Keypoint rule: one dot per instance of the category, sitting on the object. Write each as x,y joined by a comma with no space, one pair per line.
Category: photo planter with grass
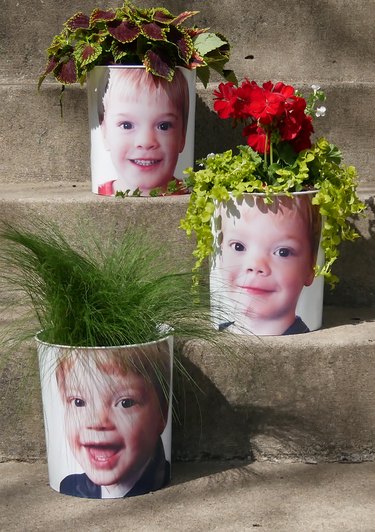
104,316
273,214
107,416
142,118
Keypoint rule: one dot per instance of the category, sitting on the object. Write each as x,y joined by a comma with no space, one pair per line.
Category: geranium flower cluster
271,113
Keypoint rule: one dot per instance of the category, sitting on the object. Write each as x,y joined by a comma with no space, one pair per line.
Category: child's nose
258,264
100,420
147,138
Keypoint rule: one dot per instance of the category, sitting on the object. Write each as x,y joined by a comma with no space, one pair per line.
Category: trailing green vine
232,174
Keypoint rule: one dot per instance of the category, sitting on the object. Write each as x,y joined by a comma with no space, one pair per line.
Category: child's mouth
145,163
255,290
102,455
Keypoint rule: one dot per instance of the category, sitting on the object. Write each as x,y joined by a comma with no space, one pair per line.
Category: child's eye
127,403
164,126
126,125
79,402
283,252
237,246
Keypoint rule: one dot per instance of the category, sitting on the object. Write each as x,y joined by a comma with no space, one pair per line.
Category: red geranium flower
257,138
303,140
271,111
225,100
265,105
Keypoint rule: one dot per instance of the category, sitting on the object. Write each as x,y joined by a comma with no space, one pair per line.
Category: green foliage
319,168
128,34
102,294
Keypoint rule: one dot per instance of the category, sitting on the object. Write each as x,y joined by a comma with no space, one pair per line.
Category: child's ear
182,143
310,277
103,130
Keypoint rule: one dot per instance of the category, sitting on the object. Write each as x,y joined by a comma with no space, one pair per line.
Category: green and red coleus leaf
183,43
79,21
124,31
159,63
66,73
197,60
86,53
102,15
153,31
120,50
182,17
51,65
163,16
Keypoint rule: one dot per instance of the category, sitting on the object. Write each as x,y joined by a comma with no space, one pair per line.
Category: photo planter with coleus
279,160
92,47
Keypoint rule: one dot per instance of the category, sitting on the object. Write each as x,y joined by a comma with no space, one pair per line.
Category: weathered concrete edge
306,398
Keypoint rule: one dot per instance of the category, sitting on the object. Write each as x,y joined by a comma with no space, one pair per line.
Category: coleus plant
152,37
279,158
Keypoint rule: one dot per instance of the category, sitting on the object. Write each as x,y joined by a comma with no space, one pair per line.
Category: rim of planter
152,342
300,192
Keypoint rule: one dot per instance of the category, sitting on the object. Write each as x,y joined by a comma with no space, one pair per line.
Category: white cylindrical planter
142,128
262,270
107,415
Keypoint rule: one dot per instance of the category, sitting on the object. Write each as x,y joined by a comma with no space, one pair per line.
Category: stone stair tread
221,496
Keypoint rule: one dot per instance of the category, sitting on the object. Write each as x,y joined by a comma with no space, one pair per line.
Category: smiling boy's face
266,261
144,134
113,421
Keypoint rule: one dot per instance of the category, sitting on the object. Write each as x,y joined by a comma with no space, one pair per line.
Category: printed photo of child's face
113,421
266,261
144,135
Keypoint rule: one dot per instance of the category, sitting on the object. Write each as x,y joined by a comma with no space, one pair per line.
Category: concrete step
73,204
220,496
308,397
39,145
302,43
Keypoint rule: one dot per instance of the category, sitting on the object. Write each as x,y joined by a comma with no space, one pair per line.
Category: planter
262,270
142,128
107,413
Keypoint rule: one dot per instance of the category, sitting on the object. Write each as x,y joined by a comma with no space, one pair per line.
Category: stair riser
307,398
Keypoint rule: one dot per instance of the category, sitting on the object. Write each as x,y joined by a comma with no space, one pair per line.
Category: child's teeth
145,163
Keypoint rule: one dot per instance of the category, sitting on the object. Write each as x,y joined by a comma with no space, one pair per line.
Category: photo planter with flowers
271,217
140,65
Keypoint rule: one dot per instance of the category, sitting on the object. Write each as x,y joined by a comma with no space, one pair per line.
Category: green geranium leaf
203,75
207,42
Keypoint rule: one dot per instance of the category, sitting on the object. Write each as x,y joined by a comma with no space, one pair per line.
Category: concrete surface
308,397
38,145
297,40
72,204
219,496
325,42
